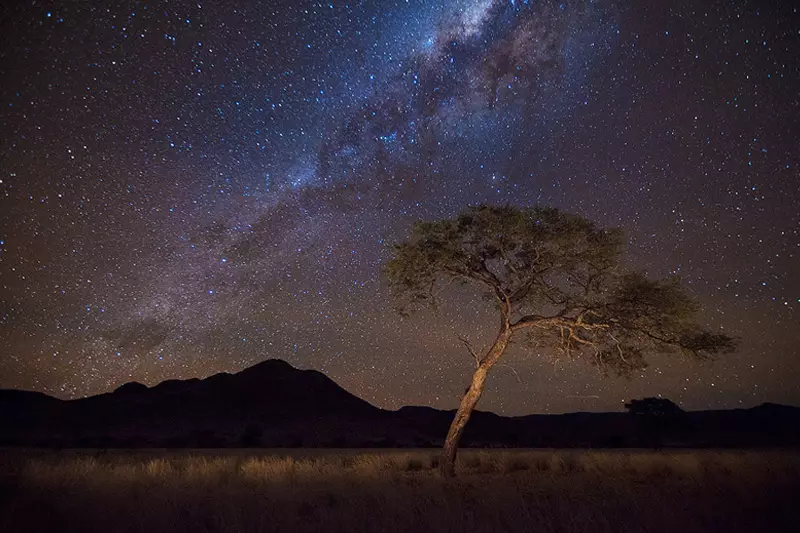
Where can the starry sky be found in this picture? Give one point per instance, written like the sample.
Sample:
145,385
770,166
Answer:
193,187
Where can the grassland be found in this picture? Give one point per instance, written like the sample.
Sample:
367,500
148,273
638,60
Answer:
349,491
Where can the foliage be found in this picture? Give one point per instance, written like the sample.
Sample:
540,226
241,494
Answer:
555,277
654,407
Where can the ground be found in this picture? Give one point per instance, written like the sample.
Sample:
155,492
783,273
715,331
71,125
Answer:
367,490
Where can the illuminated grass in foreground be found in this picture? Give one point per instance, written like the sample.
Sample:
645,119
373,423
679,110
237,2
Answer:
326,490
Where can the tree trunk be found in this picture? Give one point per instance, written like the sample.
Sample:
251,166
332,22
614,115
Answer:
447,466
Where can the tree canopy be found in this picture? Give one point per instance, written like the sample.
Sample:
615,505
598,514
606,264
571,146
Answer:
654,407
557,277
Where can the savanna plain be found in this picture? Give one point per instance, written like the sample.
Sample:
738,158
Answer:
301,491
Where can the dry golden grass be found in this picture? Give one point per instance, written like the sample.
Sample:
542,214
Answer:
349,491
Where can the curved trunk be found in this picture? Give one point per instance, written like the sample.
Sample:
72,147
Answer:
448,463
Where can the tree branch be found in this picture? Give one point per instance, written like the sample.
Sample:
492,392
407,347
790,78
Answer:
516,375
470,349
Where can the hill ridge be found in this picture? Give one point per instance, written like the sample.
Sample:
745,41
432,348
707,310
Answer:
273,403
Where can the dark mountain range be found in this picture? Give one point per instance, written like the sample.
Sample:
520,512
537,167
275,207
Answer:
273,404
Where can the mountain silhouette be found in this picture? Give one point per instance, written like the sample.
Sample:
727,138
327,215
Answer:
273,404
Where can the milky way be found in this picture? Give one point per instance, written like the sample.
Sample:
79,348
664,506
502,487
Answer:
190,188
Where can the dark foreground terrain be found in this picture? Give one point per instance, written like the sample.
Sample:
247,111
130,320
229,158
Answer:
349,491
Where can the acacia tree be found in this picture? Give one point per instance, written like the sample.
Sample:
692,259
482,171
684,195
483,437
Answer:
556,280
654,408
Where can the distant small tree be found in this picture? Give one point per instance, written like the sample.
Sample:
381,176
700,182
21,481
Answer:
554,278
654,407
656,418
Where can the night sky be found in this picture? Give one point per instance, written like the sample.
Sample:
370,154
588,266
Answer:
193,187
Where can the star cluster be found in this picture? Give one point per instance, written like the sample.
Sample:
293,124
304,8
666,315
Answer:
192,187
